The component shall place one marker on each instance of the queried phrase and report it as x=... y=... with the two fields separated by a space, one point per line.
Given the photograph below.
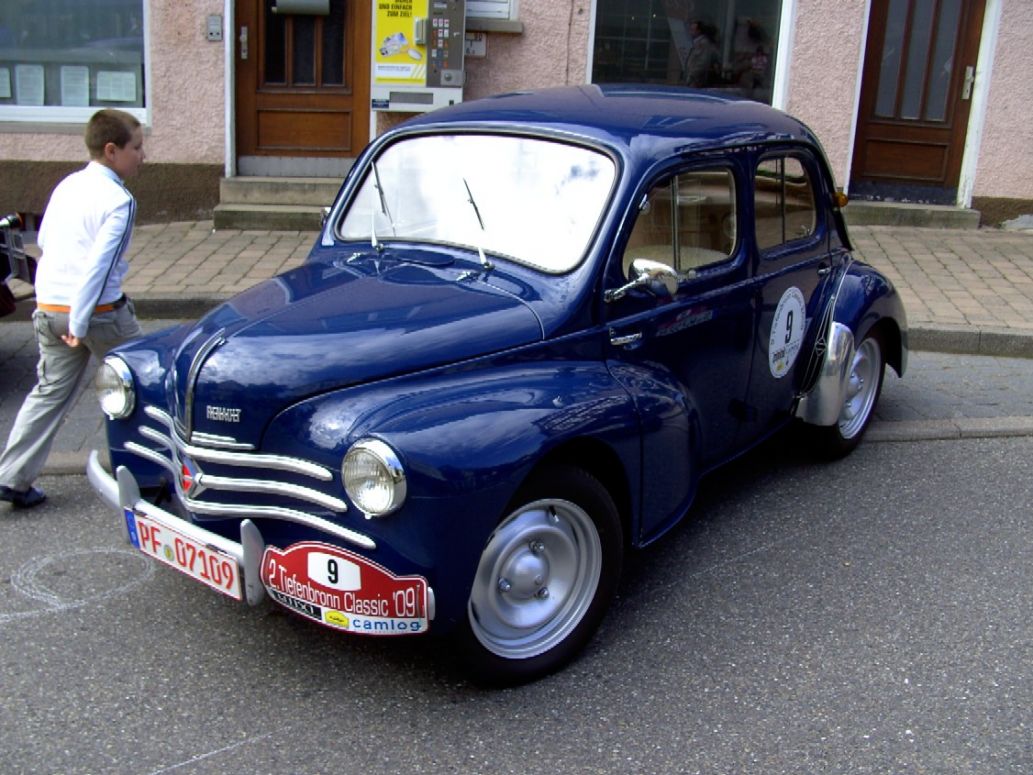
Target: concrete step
x=268 y=217
x=863 y=213
x=283 y=203
x=319 y=192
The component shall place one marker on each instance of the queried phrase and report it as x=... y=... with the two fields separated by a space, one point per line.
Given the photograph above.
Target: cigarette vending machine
x=418 y=48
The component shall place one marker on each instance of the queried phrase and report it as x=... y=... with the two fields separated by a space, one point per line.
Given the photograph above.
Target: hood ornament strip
x=185 y=424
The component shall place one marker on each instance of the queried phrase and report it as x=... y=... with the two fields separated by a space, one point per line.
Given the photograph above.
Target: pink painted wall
x=185 y=96
x=1005 y=166
x=552 y=51
x=823 y=74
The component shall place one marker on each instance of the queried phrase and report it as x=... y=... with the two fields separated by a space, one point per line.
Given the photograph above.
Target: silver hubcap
x=861 y=387
x=536 y=579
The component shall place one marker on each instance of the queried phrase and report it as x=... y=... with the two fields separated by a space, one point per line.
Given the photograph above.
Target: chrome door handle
x=243 y=42
x=824 y=270
x=626 y=339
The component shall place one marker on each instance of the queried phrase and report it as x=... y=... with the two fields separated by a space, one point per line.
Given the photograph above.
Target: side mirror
x=659 y=278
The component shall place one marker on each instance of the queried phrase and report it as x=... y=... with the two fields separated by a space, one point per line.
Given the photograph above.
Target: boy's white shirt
x=84 y=238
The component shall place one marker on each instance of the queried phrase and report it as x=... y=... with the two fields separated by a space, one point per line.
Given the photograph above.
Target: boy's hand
x=70 y=340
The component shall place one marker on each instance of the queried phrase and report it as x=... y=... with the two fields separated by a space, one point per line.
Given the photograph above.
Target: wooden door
x=915 y=98
x=302 y=81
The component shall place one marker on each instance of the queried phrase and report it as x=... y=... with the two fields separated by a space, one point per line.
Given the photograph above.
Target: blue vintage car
x=530 y=325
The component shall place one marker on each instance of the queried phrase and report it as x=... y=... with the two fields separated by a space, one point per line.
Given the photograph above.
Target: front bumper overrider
x=123 y=493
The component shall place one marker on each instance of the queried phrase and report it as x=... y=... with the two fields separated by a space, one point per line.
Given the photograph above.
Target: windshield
x=535 y=201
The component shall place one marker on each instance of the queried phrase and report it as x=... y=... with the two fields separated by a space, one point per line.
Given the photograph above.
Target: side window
x=687 y=222
x=783 y=202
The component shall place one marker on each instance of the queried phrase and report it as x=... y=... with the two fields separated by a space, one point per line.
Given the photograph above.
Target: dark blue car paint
x=476 y=378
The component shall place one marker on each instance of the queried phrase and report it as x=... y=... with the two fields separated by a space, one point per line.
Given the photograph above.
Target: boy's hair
x=109 y=126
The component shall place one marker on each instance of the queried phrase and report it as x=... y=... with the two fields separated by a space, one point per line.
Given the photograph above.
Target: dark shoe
x=22 y=499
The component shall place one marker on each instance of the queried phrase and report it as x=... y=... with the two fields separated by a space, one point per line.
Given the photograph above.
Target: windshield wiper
x=488 y=266
x=383 y=209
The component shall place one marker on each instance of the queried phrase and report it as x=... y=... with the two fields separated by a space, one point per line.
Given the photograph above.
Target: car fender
x=864 y=302
x=867 y=300
x=467 y=441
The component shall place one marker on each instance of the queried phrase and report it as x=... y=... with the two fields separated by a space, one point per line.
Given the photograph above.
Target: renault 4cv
x=529 y=325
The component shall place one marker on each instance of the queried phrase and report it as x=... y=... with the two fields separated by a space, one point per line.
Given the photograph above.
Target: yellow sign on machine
x=417 y=58
x=397 y=57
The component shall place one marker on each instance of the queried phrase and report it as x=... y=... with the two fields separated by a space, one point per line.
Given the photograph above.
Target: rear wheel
x=544 y=579
x=864 y=385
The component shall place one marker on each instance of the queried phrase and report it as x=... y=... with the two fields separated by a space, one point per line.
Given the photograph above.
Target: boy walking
x=80 y=308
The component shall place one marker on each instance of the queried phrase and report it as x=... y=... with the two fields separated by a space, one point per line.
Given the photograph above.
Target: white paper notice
x=5 y=83
x=28 y=80
x=116 y=86
x=75 y=85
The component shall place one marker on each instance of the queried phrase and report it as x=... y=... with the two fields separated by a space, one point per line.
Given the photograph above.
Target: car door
x=792 y=281
x=685 y=357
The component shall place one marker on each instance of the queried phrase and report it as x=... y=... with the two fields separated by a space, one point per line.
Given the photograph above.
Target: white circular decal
x=786 y=332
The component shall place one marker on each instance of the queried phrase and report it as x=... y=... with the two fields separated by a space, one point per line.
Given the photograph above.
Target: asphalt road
x=869 y=616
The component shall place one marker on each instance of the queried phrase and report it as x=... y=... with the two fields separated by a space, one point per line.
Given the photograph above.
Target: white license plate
x=197 y=560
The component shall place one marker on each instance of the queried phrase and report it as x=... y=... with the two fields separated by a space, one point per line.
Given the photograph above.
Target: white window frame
x=492 y=9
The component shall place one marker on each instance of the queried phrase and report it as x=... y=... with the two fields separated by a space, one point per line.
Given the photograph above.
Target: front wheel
x=544 y=579
x=864 y=385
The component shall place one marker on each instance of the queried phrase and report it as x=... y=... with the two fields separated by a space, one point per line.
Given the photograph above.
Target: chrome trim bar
x=285 y=514
x=226 y=457
x=275 y=462
x=154 y=457
x=228 y=483
x=224 y=442
x=271 y=488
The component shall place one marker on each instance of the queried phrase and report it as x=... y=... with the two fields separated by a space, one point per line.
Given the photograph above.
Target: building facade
x=914 y=100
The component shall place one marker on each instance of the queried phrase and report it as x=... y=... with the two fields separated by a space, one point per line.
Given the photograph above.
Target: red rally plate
x=197 y=560
x=345 y=591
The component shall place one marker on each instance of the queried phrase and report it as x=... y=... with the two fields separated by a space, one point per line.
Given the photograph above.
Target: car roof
x=650 y=120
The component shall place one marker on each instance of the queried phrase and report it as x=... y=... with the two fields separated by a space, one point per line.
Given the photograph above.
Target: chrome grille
x=230 y=453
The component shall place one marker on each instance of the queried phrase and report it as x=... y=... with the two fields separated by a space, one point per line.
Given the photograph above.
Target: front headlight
x=373 y=478
x=114 y=386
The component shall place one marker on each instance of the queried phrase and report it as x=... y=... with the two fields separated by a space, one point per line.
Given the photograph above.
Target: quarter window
x=687 y=222
x=783 y=202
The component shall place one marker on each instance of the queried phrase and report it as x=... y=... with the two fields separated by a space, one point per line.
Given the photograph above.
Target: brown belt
x=100 y=308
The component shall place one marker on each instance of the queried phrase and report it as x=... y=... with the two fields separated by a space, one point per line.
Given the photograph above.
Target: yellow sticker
x=336 y=618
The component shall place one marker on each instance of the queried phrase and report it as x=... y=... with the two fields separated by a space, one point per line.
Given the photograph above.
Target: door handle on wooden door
x=243 y=42
x=966 y=87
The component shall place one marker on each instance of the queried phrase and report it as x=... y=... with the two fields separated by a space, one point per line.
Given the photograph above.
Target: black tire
x=563 y=536
x=867 y=370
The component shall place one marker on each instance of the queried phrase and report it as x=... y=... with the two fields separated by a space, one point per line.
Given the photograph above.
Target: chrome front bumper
x=123 y=493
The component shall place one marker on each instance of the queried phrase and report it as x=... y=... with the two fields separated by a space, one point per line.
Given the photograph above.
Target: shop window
x=720 y=45
x=62 y=59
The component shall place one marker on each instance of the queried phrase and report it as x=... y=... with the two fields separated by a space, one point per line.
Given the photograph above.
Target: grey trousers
x=58 y=373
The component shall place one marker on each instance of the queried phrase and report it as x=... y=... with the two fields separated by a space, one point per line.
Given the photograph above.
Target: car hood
x=328 y=325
